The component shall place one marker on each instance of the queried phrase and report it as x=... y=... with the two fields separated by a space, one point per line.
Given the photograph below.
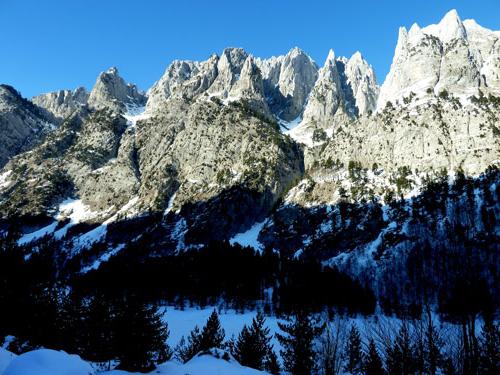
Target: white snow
x=6 y=358
x=98 y=233
x=289 y=125
x=170 y=204
x=48 y=362
x=36 y=235
x=103 y=258
x=73 y=209
x=4 y=182
x=134 y=114
x=182 y=322
x=249 y=238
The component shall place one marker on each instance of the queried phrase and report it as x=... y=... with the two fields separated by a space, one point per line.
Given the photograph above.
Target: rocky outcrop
x=63 y=103
x=22 y=124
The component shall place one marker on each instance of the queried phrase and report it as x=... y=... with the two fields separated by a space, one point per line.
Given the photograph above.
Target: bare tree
x=331 y=346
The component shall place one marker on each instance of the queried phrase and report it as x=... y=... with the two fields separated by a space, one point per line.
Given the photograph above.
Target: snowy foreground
x=180 y=323
x=51 y=362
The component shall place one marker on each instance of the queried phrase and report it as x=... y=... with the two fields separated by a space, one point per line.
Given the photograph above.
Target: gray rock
x=112 y=92
x=63 y=103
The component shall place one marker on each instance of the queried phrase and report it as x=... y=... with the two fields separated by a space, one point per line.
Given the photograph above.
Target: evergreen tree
x=271 y=364
x=353 y=352
x=490 y=348
x=212 y=335
x=400 y=355
x=432 y=345
x=298 y=344
x=253 y=344
x=141 y=337
x=373 y=363
x=187 y=350
x=99 y=336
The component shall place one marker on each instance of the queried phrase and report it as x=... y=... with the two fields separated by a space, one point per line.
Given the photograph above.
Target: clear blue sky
x=52 y=44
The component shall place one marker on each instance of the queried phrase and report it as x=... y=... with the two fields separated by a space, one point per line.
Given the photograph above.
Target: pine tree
x=490 y=348
x=298 y=354
x=141 y=337
x=213 y=334
x=373 y=363
x=432 y=345
x=253 y=344
x=187 y=350
x=100 y=329
x=271 y=364
x=353 y=352
x=400 y=356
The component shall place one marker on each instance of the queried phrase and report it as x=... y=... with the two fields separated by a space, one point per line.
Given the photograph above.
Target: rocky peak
x=325 y=106
x=62 y=103
x=228 y=71
x=111 y=91
x=250 y=88
x=177 y=72
x=443 y=57
x=359 y=84
x=449 y=28
x=297 y=75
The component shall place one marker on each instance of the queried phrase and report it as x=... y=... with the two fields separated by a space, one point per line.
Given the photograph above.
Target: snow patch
x=6 y=358
x=135 y=113
x=98 y=233
x=36 y=235
x=4 y=182
x=250 y=237
x=48 y=362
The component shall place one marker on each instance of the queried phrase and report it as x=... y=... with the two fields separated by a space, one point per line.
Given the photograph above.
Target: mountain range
x=278 y=153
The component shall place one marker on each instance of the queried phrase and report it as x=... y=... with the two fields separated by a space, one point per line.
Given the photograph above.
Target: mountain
x=61 y=104
x=22 y=123
x=311 y=162
x=461 y=58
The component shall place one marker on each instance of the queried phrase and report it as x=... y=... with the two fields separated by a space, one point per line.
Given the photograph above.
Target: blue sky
x=52 y=44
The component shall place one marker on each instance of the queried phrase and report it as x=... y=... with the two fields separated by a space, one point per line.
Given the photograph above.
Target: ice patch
x=170 y=204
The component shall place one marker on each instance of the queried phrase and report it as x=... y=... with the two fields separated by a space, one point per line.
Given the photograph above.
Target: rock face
x=178 y=72
x=359 y=84
x=288 y=80
x=112 y=92
x=22 y=124
x=63 y=103
x=344 y=90
x=453 y=56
